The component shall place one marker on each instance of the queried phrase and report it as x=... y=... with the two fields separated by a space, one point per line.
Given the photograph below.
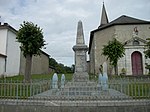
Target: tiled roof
x=126 y=19
x=123 y=20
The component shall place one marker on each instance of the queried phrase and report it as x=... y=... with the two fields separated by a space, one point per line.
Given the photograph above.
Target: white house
x=9 y=50
x=12 y=61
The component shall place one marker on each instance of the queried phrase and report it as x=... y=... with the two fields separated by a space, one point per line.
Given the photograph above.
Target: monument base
x=80 y=77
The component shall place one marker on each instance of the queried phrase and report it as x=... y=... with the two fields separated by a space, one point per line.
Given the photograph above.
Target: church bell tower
x=104 y=18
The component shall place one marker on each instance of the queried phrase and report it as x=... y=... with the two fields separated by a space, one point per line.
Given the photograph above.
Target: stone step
x=81 y=83
x=79 y=93
x=82 y=88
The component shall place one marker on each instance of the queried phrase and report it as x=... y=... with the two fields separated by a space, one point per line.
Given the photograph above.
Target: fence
x=21 y=90
x=135 y=88
x=121 y=88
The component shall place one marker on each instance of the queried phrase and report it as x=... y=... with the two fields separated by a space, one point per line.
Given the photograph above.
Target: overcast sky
x=58 y=19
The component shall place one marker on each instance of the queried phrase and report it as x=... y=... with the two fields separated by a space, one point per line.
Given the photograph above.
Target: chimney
x=5 y=24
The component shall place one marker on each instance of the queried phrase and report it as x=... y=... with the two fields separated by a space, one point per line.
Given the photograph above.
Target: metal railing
x=121 y=88
x=21 y=90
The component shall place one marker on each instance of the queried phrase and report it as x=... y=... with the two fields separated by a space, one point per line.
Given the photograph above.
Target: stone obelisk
x=80 y=50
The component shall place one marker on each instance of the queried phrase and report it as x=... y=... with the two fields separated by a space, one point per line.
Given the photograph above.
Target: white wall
x=2 y=65
x=13 y=54
x=3 y=35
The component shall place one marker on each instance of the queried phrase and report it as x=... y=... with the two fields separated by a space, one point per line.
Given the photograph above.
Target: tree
x=31 y=38
x=147 y=53
x=113 y=51
x=59 y=67
x=68 y=69
x=52 y=62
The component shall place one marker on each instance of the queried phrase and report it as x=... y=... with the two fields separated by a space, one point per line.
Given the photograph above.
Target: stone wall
x=100 y=38
x=6 y=108
x=95 y=106
x=40 y=64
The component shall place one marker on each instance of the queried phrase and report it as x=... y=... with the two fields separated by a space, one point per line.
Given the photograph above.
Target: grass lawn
x=36 y=77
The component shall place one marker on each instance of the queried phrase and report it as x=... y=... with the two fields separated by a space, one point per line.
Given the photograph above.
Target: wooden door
x=137 y=65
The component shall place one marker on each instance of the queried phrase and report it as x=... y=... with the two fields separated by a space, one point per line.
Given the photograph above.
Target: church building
x=131 y=32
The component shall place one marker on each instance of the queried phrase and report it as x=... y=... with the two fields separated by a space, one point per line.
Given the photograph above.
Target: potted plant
x=123 y=71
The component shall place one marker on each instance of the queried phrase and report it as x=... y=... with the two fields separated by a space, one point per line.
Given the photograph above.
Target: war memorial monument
x=81 y=88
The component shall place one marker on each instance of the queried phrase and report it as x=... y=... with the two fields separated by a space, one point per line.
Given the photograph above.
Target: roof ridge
x=127 y=19
x=124 y=19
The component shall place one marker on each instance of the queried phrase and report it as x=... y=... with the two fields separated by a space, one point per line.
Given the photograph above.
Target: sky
x=59 y=18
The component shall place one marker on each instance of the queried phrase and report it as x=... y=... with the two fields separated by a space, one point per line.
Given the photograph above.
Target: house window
x=136 y=42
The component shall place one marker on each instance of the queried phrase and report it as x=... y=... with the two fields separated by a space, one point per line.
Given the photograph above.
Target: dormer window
x=136 y=42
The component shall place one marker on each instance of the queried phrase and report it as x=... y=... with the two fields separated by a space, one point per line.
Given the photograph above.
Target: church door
x=137 y=68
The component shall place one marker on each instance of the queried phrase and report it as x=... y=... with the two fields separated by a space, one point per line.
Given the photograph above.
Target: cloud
x=59 y=18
